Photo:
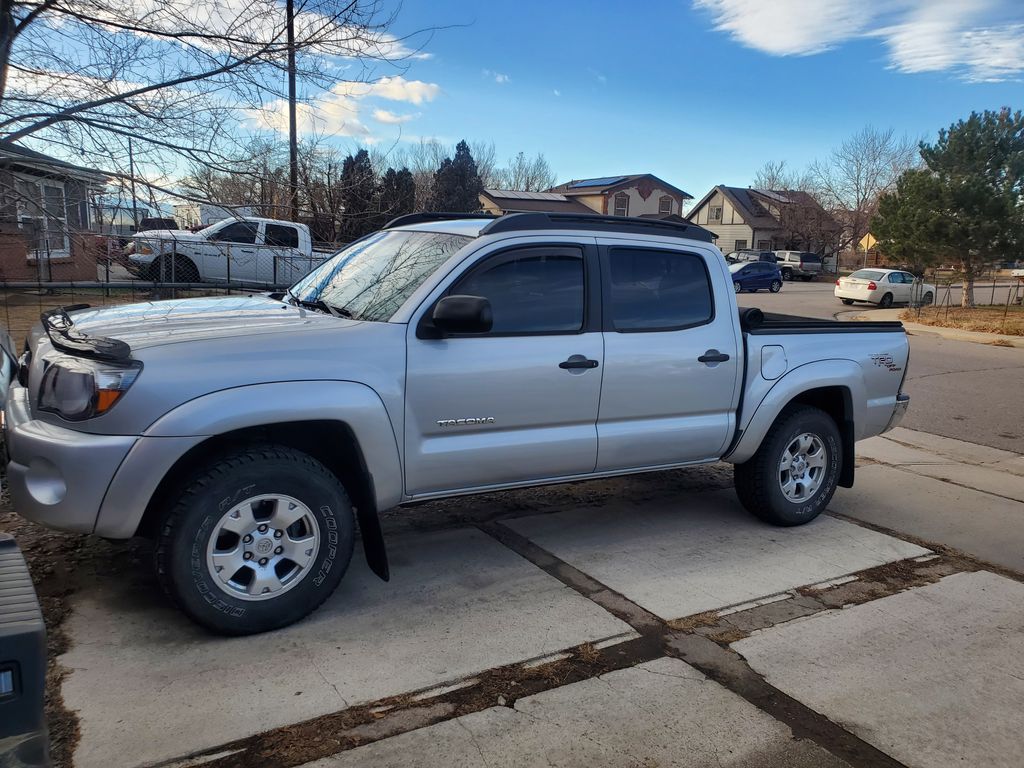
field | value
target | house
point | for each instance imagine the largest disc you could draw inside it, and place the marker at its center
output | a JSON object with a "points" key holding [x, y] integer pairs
{"points": [[499, 201], [766, 220], [45, 216], [195, 215], [115, 216], [637, 194]]}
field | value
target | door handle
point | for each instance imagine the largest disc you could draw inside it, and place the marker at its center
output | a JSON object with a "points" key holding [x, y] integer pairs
{"points": [[713, 356], [577, 361]]}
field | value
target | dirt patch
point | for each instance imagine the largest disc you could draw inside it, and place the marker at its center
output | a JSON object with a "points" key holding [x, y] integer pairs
{"points": [[1009, 321]]}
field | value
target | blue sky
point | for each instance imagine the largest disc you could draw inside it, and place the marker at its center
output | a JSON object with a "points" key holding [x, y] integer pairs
{"points": [[698, 93]]}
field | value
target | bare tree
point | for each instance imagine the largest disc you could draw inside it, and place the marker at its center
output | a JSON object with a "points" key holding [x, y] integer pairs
{"points": [[176, 77], [527, 174], [857, 172], [486, 162]]}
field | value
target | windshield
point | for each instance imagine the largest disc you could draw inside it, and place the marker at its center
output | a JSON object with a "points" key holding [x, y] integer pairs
{"points": [[372, 278], [734, 268], [868, 274]]}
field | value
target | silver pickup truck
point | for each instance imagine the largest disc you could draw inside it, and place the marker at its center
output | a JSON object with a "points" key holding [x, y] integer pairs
{"points": [[444, 355]]}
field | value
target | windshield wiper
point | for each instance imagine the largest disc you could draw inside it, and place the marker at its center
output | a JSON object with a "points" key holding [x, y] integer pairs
{"points": [[321, 305]]}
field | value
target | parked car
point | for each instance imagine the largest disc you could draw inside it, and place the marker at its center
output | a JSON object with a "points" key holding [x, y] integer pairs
{"points": [[441, 356], [750, 255], [801, 264], [755, 275], [246, 250], [883, 287]]}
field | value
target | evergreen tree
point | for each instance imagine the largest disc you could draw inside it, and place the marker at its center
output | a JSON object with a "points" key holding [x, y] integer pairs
{"points": [[358, 195], [967, 205], [397, 194], [457, 184]]}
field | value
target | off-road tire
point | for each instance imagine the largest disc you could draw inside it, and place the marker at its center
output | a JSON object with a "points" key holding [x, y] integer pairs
{"points": [[886, 301], [757, 479], [928, 298], [192, 518]]}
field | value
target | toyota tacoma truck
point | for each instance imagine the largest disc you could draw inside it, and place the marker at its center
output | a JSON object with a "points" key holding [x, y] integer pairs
{"points": [[252, 436]]}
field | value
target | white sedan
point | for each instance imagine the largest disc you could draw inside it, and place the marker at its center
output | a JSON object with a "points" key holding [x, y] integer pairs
{"points": [[883, 287]]}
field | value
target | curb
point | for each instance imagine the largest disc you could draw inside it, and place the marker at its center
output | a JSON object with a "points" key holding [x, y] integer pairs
{"points": [[954, 334]]}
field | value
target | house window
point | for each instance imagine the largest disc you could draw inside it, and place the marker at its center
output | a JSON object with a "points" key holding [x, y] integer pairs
{"points": [[715, 213], [764, 245], [622, 204], [665, 204], [42, 215], [741, 245]]}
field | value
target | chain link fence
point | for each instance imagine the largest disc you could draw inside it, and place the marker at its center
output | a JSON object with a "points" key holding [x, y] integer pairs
{"points": [[107, 271]]}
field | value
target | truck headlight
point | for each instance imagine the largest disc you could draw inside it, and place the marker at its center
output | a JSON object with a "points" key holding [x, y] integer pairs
{"points": [[77, 389]]}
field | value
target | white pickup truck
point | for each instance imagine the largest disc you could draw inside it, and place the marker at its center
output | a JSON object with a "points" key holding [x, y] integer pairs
{"points": [[444, 355], [249, 250]]}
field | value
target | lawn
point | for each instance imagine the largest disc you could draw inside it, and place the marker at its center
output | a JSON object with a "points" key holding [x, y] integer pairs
{"points": [[1004, 320]]}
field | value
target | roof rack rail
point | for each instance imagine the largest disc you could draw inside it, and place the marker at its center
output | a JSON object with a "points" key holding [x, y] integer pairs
{"points": [[515, 222], [420, 218]]}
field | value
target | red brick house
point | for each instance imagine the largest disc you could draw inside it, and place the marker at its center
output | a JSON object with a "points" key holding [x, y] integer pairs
{"points": [[45, 216]]}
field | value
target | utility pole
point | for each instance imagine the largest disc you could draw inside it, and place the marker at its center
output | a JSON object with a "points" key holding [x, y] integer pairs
{"points": [[131, 174], [293, 142]]}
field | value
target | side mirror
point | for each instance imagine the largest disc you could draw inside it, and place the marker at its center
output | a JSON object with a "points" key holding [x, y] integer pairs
{"points": [[463, 314]]}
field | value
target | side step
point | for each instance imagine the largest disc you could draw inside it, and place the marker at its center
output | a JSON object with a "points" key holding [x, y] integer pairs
{"points": [[24, 740]]}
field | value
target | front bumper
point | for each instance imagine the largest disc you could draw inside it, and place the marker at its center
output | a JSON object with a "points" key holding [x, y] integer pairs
{"points": [[57, 476], [898, 412]]}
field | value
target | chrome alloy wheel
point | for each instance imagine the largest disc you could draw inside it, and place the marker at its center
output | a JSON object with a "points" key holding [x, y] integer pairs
{"points": [[263, 547], [802, 468]]}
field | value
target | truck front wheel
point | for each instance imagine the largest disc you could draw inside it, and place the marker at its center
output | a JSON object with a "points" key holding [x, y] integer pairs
{"points": [[258, 539], [794, 473]]}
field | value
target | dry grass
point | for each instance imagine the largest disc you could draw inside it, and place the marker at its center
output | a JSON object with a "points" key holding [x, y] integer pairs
{"points": [[985, 319], [690, 623]]}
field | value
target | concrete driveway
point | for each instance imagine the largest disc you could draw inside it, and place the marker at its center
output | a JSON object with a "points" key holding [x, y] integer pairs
{"points": [[640, 622]]}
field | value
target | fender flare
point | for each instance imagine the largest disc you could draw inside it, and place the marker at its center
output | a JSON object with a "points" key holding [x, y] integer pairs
{"points": [[845, 374], [170, 437]]}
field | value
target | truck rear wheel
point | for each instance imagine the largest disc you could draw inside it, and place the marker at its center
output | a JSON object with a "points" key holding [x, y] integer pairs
{"points": [[256, 541], [794, 473]]}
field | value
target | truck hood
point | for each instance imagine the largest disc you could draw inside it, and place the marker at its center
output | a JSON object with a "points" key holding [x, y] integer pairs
{"points": [[158, 323]]}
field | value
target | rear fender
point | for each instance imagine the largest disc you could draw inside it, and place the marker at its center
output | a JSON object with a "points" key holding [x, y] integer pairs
{"points": [[826, 373]]}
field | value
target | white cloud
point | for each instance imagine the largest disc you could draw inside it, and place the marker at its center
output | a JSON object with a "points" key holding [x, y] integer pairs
{"points": [[332, 114], [975, 39], [390, 118], [557, 92], [499, 77], [393, 88]]}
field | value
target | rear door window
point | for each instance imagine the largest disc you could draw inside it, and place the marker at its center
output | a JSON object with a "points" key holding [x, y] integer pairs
{"points": [[282, 236], [655, 290]]}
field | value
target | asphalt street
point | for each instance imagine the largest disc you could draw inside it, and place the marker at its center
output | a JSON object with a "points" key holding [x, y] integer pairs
{"points": [[958, 389]]}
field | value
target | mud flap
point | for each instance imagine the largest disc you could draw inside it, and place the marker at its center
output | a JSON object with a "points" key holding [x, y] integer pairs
{"points": [[373, 540]]}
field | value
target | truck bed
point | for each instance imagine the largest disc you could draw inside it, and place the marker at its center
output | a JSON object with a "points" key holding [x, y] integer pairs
{"points": [[775, 323]]}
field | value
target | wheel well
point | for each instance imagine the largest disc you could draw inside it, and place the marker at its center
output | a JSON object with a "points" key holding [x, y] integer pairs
{"points": [[837, 402], [332, 443]]}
